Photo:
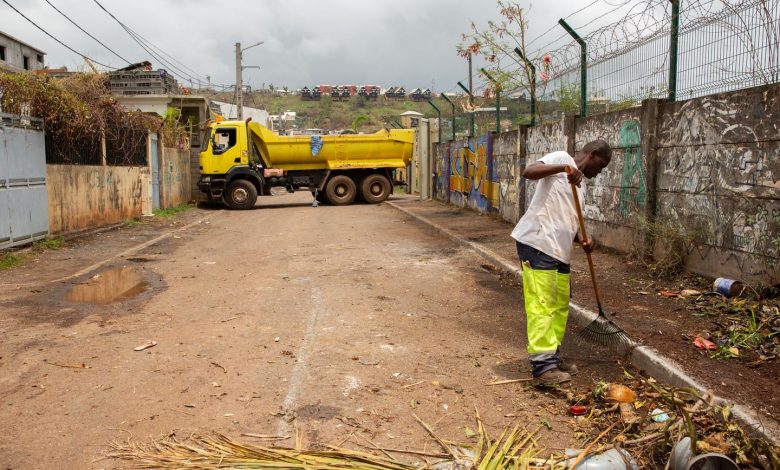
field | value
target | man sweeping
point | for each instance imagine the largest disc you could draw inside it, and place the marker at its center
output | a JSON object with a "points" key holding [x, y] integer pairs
{"points": [[545, 236]]}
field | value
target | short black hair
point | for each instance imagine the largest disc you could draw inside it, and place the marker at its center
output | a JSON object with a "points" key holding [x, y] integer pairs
{"points": [[600, 148]]}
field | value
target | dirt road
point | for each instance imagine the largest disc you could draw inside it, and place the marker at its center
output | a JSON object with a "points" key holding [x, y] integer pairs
{"points": [[342, 322]]}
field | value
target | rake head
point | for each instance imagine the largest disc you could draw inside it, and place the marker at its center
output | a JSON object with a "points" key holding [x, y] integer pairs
{"points": [[603, 332]]}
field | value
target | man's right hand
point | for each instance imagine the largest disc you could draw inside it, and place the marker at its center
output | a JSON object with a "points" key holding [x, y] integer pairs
{"points": [[575, 176]]}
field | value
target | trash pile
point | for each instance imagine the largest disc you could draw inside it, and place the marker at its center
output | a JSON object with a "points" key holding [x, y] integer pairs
{"points": [[663, 427], [630, 425], [744, 324]]}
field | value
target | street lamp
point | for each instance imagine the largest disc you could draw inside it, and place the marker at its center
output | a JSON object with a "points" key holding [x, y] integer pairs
{"points": [[239, 78]]}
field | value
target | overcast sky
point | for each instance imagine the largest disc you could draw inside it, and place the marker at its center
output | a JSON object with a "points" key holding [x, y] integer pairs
{"points": [[307, 42]]}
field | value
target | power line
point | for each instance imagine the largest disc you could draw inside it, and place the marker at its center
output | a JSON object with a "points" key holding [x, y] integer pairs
{"points": [[85, 32], [556, 25], [183, 75], [60, 42]]}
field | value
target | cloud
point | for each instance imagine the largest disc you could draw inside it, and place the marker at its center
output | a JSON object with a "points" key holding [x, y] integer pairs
{"points": [[307, 42]]}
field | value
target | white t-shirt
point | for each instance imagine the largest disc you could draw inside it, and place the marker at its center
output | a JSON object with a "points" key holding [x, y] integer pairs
{"points": [[550, 223]]}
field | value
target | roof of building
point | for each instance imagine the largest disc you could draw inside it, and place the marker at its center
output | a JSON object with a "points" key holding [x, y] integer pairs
{"points": [[22, 42]]}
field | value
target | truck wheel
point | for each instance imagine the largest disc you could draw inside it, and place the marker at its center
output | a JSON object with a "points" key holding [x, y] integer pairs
{"points": [[375, 188], [340, 190], [240, 194]]}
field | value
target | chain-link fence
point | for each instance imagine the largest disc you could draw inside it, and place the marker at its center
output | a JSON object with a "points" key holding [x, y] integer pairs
{"points": [[721, 46]]}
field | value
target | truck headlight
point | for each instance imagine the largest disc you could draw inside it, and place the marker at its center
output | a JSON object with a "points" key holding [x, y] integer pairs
{"points": [[206, 179]]}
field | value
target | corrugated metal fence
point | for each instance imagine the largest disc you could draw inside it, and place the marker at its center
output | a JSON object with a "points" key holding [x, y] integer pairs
{"points": [[23, 198]]}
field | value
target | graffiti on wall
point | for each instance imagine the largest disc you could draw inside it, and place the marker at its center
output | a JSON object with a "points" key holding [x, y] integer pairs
{"points": [[441, 181], [630, 138], [473, 177]]}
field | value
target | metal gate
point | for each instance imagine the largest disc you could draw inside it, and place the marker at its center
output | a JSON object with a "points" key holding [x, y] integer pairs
{"points": [[24, 207], [154, 160]]}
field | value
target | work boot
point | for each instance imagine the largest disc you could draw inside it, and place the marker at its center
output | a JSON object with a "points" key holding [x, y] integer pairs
{"points": [[553, 376], [568, 367]]}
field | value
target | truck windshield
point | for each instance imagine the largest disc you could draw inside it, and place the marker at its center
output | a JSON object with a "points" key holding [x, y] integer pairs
{"points": [[224, 138]]}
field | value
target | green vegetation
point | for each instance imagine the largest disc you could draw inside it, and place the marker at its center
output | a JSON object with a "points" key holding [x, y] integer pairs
{"points": [[48, 244], [10, 260], [131, 222], [368, 116], [171, 211]]}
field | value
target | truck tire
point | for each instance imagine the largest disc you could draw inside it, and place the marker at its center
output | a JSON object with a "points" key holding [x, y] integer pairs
{"points": [[375, 188], [240, 194], [340, 190]]}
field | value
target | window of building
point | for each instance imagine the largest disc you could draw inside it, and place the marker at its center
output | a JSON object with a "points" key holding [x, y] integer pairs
{"points": [[2, 53], [40, 58], [26, 62]]}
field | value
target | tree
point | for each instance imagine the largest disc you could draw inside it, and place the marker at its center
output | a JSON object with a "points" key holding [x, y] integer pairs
{"points": [[496, 43]]}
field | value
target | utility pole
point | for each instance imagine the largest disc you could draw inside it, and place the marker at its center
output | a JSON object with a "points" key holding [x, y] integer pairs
{"points": [[239, 84], [471, 97], [239, 78]]}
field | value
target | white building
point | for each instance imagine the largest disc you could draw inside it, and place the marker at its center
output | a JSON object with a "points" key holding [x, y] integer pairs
{"points": [[17, 56], [230, 111]]}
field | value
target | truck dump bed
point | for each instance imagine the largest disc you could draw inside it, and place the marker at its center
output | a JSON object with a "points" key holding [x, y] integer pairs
{"points": [[383, 149]]}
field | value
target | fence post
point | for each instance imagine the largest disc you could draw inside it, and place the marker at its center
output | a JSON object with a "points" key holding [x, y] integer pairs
{"points": [[103, 159], [673, 44], [498, 99], [453, 114], [533, 84], [649, 127], [471, 106], [583, 67], [438, 122]]}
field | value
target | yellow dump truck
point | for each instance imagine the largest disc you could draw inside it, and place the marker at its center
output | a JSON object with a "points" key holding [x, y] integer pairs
{"points": [[244, 160]]}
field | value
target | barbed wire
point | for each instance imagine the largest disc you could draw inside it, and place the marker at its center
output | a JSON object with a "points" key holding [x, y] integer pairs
{"points": [[723, 45]]}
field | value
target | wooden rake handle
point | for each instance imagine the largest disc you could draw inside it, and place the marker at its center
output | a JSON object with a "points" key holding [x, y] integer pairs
{"points": [[584, 237]]}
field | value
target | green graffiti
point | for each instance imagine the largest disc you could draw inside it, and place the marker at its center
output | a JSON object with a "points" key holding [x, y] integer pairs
{"points": [[631, 140]]}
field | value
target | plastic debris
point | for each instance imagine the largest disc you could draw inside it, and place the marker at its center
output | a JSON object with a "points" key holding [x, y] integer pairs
{"points": [[659, 416], [690, 293], [613, 459], [706, 344], [146, 345], [578, 410]]}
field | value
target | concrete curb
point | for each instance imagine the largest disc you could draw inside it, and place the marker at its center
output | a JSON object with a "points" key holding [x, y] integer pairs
{"points": [[641, 356]]}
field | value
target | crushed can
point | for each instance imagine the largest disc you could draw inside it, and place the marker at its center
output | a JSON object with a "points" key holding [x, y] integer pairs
{"points": [[727, 287]]}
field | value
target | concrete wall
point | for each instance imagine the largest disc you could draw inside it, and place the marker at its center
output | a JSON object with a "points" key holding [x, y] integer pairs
{"points": [[708, 168], [508, 150], [542, 140], [82, 197], [473, 176], [175, 178], [615, 201], [719, 178], [15, 51]]}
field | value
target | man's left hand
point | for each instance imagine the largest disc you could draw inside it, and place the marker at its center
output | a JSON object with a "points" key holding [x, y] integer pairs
{"points": [[587, 245]]}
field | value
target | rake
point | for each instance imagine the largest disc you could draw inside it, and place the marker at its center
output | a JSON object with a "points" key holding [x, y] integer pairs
{"points": [[602, 330]]}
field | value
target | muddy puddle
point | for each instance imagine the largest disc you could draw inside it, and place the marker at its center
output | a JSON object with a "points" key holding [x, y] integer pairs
{"points": [[110, 286]]}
